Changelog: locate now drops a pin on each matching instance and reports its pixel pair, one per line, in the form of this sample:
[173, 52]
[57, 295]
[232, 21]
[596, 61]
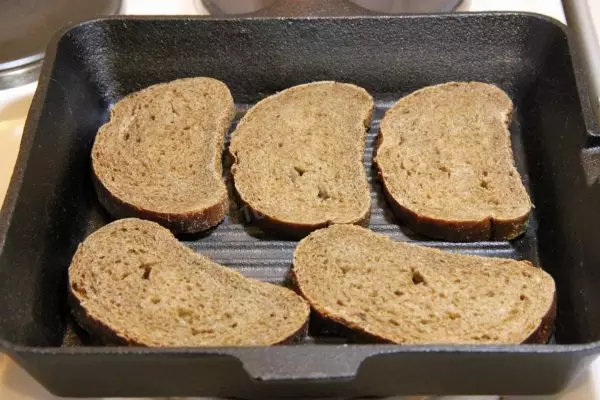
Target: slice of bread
[132, 282]
[298, 158]
[402, 293]
[446, 163]
[159, 156]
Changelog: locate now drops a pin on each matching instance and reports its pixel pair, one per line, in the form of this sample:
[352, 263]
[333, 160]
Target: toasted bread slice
[159, 156]
[298, 158]
[132, 282]
[447, 166]
[403, 293]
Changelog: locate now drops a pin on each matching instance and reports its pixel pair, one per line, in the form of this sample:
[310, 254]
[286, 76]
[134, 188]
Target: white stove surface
[16, 384]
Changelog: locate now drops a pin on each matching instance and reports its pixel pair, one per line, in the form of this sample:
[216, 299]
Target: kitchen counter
[16, 384]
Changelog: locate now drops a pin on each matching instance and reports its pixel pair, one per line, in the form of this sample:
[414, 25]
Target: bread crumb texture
[134, 279]
[299, 154]
[445, 154]
[161, 149]
[404, 293]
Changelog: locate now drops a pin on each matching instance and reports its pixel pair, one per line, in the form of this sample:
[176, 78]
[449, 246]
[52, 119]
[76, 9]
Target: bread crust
[188, 222]
[451, 230]
[541, 335]
[108, 336]
[456, 231]
[116, 334]
[544, 331]
[291, 230]
[287, 229]
[192, 221]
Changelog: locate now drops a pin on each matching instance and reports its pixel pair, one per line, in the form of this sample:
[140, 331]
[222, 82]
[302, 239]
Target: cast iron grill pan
[51, 205]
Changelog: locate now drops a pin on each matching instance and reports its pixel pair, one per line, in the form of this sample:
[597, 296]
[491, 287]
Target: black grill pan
[51, 205]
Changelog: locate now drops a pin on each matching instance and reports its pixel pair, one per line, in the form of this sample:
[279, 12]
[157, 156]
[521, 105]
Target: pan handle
[286, 363]
[581, 26]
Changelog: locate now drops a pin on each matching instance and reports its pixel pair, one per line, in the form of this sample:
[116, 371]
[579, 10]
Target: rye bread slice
[447, 166]
[159, 156]
[132, 282]
[403, 293]
[298, 158]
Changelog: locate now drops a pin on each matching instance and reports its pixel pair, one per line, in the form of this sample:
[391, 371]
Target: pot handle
[581, 26]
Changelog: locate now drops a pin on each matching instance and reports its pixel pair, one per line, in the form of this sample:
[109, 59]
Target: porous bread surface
[134, 279]
[298, 155]
[445, 154]
[161, 149]
[404, 293]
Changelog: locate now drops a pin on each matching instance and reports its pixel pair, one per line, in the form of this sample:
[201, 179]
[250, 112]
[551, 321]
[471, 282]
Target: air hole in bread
[484, 184]
[322, 194]
[185, 314]
[301, 171]
[197, 332]
[453, 315]
[78, 289]
[147, 267]
[340, 302]
[394, 322]
[523, 297]
[417, 278]
[398, 293]
[155, 300]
